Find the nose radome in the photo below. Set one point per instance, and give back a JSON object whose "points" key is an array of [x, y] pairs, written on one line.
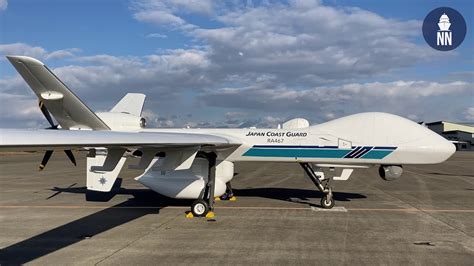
{"points": [[431, 148], [446, 148]]}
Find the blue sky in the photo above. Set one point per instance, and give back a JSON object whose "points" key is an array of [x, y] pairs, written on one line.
{"points": [[205, 63]]}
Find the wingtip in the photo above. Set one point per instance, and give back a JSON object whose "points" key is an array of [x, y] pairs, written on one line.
{"points": [[10, 58], [22, 58]]}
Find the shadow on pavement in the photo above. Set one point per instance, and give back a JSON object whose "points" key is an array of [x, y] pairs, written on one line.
{"points": [[110, 217], [290, 194], [447, 174], [88, 226]]}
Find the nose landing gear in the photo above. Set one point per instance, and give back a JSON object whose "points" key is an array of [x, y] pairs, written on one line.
{"points": [[327, 201]]}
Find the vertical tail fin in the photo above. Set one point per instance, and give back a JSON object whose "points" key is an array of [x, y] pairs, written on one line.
{"points": [[131, 103]]}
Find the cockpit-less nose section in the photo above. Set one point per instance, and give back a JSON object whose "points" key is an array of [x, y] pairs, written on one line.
{"points": [[199, 163]]}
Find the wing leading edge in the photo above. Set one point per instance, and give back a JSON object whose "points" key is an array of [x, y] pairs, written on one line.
{"points": [[39, 140]]}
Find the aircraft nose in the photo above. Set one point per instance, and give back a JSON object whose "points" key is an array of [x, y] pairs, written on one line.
{"points": [[431, 149], [445, 149]]}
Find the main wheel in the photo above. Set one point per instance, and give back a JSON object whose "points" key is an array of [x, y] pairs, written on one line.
{"points": [[199, 208], [327, 202]]}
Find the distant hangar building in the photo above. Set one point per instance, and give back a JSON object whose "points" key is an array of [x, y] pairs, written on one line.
{"points": [[462, 134]]}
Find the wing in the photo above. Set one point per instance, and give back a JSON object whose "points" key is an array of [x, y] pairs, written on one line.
{"points": [[180, 149], [39, 140], [67, 108]]}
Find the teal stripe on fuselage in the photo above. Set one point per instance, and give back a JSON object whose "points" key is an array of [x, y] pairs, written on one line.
{"points": [[302, 153], [312, 153]]}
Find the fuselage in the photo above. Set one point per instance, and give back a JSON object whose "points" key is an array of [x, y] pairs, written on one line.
{"points": [[366, 138]]}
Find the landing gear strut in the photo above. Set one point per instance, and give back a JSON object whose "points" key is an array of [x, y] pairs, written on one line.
{"points": [[327, 201], [204, 205]]}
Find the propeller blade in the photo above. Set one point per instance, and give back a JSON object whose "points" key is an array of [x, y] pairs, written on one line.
{"points": [[47, 114], [70, 155], [45, 160], [60, 190]]}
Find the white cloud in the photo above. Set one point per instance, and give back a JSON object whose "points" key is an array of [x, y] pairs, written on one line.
{"points": [[415, 99], [470, 114], [302, 42], [97, 78], [194, 6], [13, 84], [301, 58], [154, 120], [168, 13], [36, 51], [3, 5], [22, 49], [179, 58], [20, 111], [159, 17], [58, 54], [166, 77], [409, 89], [313, 45], [156, 35]]}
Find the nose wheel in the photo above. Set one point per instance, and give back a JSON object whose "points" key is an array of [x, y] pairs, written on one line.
{"points": [[327, 202]]}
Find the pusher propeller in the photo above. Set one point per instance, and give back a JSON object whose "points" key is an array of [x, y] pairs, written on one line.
{"points": [[48, 153]]}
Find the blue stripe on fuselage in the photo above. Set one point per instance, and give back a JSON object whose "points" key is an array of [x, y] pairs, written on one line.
{"points": [[303, 153], [362, 152], [294, 146], [350, 154]]}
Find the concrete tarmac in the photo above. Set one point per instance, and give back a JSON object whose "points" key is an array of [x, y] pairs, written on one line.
{"points": [[425, 217]]}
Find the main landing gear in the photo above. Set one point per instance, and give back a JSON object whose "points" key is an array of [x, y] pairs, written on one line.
{"points": [[228, 195], [324, 185], [204, 205]]}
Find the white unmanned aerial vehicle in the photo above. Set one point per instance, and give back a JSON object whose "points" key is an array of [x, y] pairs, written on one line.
{"points": [[199, 163]]}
